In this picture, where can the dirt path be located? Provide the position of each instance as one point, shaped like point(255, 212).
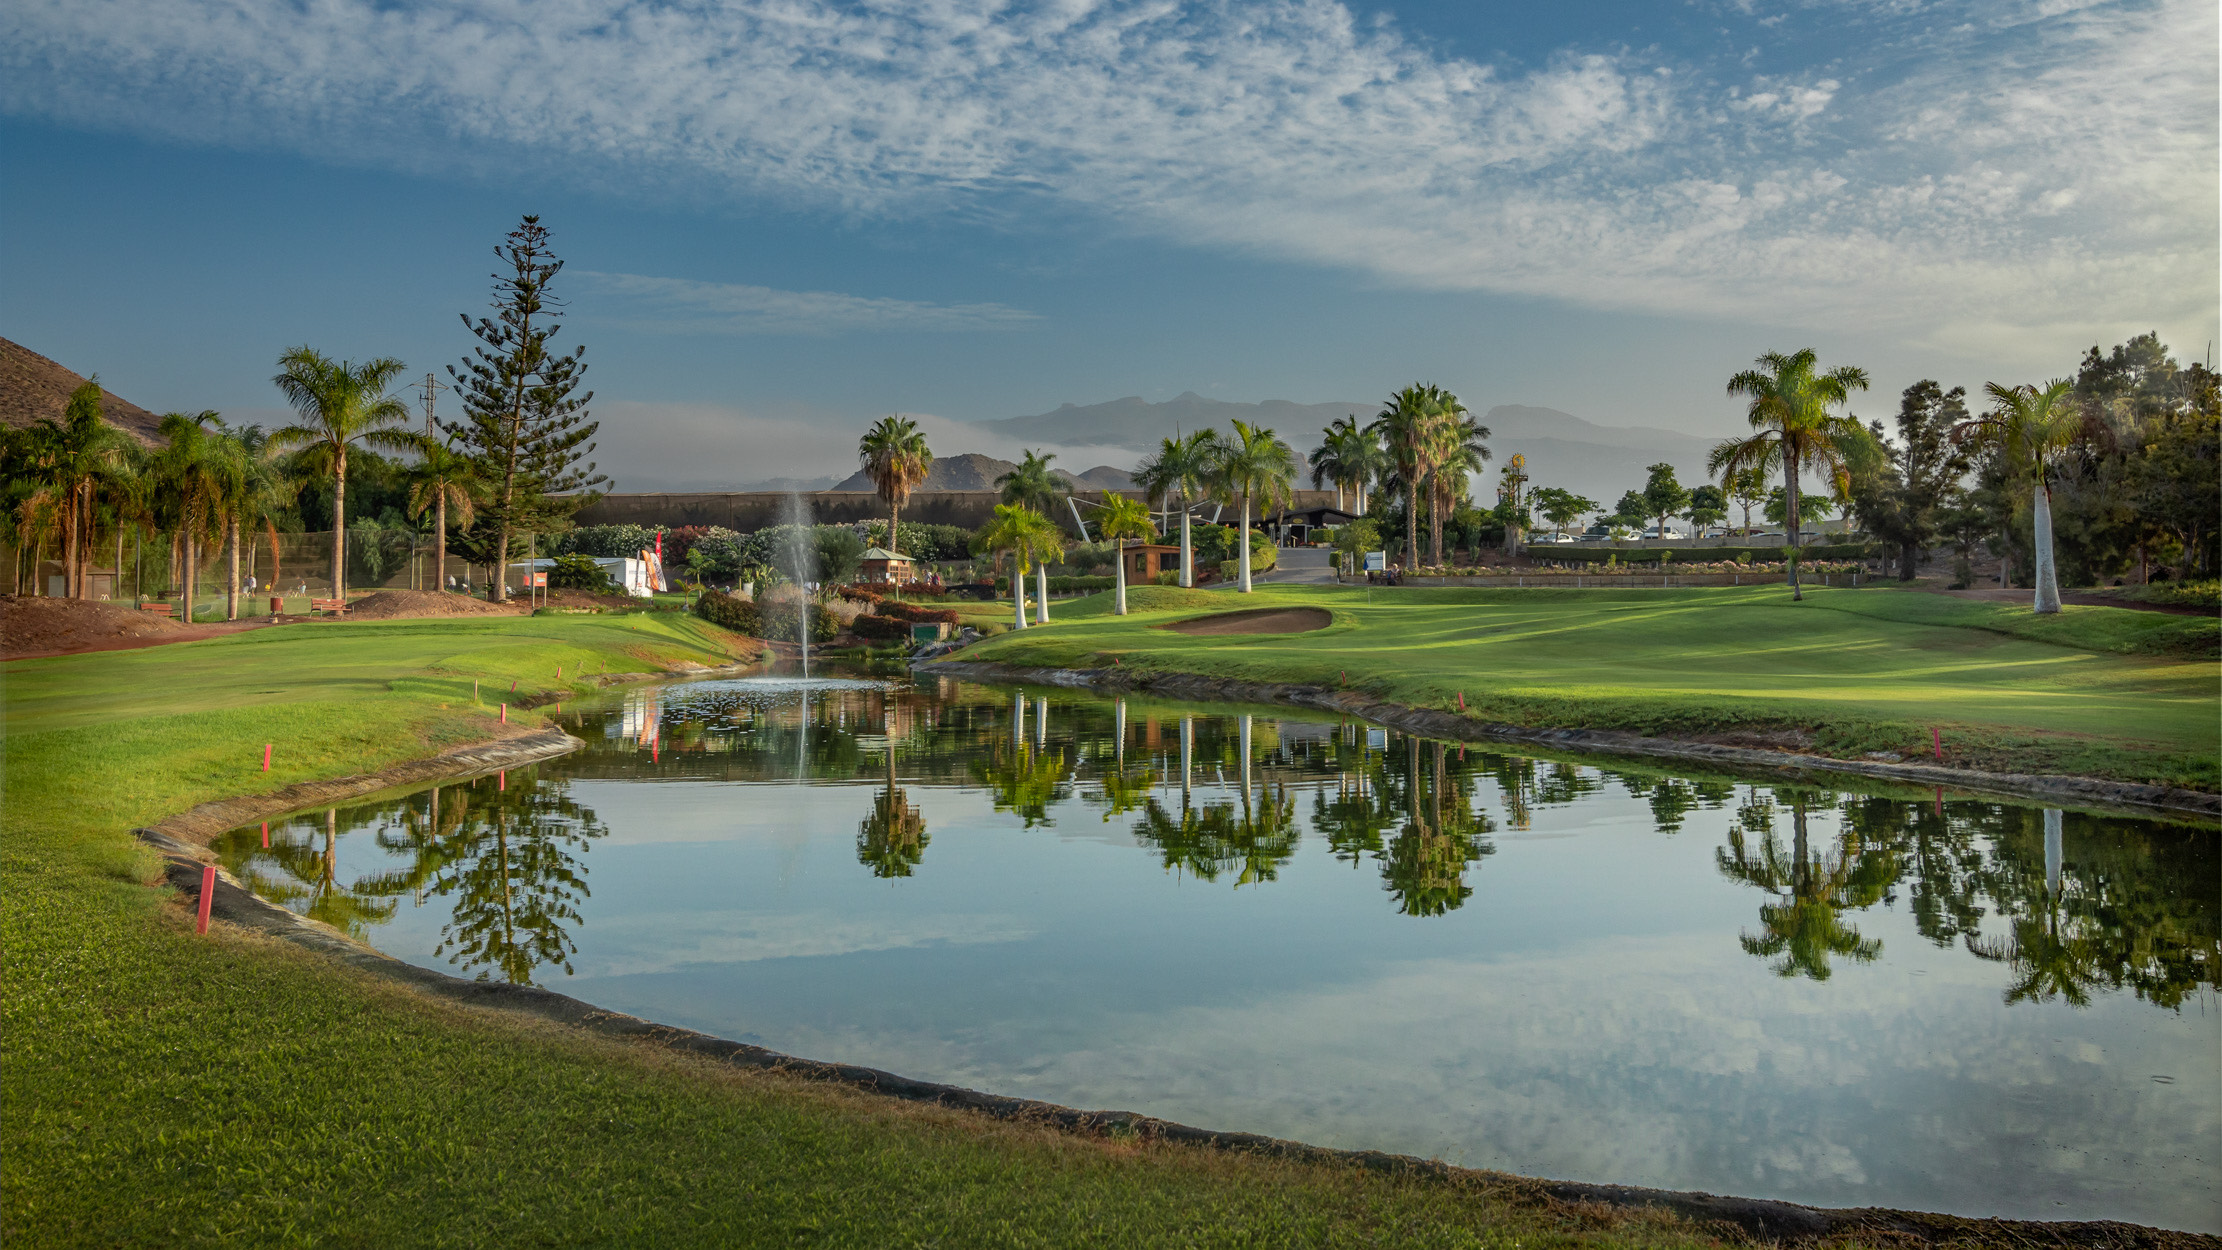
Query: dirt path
point(1255, 621)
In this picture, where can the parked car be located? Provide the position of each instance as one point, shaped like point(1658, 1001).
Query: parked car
point(1561, 537)
point(1669, 533)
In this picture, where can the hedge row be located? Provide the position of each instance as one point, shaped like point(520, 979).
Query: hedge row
point(1569, 554)
point(743, 616)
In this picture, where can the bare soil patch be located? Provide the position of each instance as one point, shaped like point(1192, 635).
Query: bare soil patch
point(1255, 621)
point(35, 626)
point(391, 605)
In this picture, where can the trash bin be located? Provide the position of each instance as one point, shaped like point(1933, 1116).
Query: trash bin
point(277, 605)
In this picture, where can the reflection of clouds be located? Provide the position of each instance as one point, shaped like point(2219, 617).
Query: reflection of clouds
point(638, 945)
point(1654, 1062)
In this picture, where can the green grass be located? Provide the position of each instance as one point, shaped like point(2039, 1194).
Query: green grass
point(2206, 594)
point(165, 1089)
point(2104, 692)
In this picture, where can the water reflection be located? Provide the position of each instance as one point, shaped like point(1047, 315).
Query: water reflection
point(1630, 971)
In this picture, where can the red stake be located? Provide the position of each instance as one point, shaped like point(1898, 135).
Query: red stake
point(208, 895)
point(504, 713)
point(1461, 700)
point(266, 757)
point(1936, 742)
point(266, 835)
point(501, 780)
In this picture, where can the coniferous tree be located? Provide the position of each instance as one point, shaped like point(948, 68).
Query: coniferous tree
point(522, 424)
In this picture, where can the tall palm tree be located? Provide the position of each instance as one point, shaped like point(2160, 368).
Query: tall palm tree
point(1032, 485)
point(1255, 466)
point(70, 459)
point(1123, 518)
point(1028, 536)
point(443, 479)
point(1406, 425)
point(2031, 426)
point(897, 460)
point(341, 404)
point(1179, 470)
point(1462, 448)
point(1789, 412)
point(191, 470)
point(1346, 456)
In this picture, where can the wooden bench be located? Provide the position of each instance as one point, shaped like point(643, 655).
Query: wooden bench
point(159, 609)
point(337, 607)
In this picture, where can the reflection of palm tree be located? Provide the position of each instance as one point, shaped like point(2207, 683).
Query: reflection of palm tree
point(1262, 836)
point(1121, 791)
point(314, 890)
point(1360, 813)
point(892, 840)
point(1425, 866)
point(1185, 842)
point(1805, 929)
point(1021, 780)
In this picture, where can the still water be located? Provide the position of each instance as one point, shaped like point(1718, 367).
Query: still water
point(1346, 935)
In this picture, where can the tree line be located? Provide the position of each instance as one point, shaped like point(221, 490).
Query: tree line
point(514, 465)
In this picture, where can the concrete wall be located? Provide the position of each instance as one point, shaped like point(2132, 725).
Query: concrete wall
point(748, 511)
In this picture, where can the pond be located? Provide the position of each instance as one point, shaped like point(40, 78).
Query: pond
point(1246, 919)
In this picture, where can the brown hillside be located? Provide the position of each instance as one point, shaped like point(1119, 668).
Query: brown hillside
point(31, 387)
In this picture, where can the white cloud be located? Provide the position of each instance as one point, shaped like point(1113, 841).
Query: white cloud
point(1959, 173)
point(678, 305)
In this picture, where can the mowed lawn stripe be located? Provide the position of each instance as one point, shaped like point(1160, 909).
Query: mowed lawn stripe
point(1872, 668)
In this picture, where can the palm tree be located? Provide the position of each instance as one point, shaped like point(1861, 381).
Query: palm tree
point(1180, 469)
point(443, 479)
point(191, 471)
point(1348, 457)
point(1123, 518)
point(1790, 405)
point(1255, 466)
point(1032, 485)
point(897, 460)
point(339, 404)
point(1406, 424)
point(1462, 448)
point(70, 459)
point(2030, 426)
point(1028, 536)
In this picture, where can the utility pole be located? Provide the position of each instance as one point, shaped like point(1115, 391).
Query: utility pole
point(431, 386)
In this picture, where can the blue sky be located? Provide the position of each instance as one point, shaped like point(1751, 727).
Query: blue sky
point(783, 220)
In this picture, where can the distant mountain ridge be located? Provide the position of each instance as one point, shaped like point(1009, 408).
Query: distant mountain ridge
point(1138, 425)
point(971, 471)
point(1561, 449)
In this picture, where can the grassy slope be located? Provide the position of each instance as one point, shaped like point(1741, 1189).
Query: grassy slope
point(2096, 691)
point(162, 1088)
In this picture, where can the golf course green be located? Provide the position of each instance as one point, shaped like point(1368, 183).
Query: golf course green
point(2100, 692)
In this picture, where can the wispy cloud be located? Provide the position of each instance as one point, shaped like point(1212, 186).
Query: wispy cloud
point(1954, 171)
point(678, 305)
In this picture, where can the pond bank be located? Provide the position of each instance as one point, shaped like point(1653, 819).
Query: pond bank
point(2082, 792)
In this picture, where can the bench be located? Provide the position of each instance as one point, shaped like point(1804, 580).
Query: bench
point(159, 609)
point(337, 607)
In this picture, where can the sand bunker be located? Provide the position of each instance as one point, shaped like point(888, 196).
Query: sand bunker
point(1256, 621)
point(39, 625)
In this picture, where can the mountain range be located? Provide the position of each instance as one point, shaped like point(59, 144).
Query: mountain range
point(1561, 449)
point(33, 387)
point(973, 471)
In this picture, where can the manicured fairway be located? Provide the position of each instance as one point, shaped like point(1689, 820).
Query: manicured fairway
point(165, 1089)
point(2101, 691)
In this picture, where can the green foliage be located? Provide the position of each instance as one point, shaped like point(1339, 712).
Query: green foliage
point(1663, 495)
point(1570, 554)
point(608, 541)
point(731, 612)
point(523, 423)
point(579, 572)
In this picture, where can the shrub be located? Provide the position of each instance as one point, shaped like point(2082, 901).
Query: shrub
point(881, 629)
point(578, 572)
point(729, 611)
point(911, 612)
